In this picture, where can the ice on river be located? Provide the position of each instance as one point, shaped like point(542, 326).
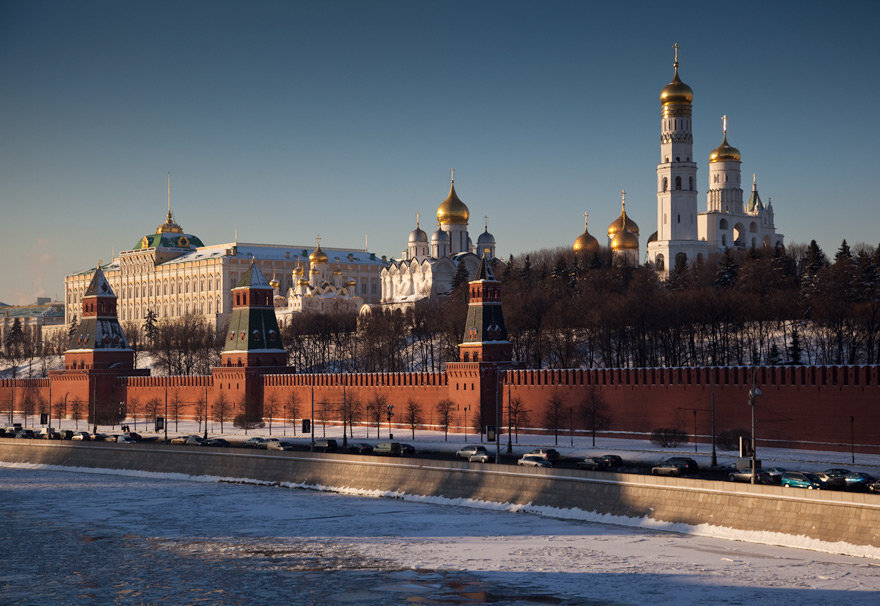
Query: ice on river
point(84, 537)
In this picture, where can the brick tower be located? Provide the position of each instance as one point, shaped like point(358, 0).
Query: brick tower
point(253, 338)
point(484, 352)
point(99, 342)
point(253, 347)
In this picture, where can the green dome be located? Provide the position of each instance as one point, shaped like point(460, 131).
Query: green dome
point(168, 240)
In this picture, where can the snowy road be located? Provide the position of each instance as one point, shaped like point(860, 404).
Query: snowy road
point(77, 538)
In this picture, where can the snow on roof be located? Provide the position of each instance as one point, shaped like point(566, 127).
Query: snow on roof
point(274, 252)
point(253, 278)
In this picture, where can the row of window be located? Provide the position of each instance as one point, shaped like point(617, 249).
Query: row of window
point(664, 184)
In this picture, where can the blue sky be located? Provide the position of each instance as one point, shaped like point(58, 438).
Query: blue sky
point(287, 119)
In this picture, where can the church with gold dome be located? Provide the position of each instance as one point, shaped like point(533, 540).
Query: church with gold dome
point(684, 235)
point(428, 266)
point(172, 274)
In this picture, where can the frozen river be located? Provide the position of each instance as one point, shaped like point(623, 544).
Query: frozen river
point(77, 538)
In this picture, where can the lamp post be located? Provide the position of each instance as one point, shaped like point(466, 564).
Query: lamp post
point(852, 438)
point(754, 392)
point(205, 436)
point(390, 410)
point(465, 423)
point(509, 427)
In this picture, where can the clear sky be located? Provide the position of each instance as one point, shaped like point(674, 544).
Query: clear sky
point(287, 119)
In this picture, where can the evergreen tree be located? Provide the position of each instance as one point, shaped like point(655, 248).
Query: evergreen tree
point(728, 270)
point(526, 272)
point(150, 325)
point(843, 253)
point(71, 330)
point(773, 356)
point(794, 348)
point(460, 277)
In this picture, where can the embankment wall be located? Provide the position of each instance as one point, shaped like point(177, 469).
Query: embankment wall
point(852, 518)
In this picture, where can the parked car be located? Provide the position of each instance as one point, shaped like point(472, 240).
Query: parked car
point(833, 478)
point(195, 440)
point(65, 434)
point(468, 451)
point(255, 442)
point(324, 445)
point(689, 464)
point(669, 468)
point(800, 479)
point(190, 439)
point(103, 437)
point(774, 474)
point(745, 475)
point(874, 487)
point(407, 449)
point(858, 480)
point(218, 442)
point(550, 454)
point(482, 456)
point(533, 460)
point(276, 444)
point(133, 435)
point(388, 448)
point(593, 463)
point(124, 439)
point(612, 460)
point(25, 434)
point(360, 448)
point(83, 436)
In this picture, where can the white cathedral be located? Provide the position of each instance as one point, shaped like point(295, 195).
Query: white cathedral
point(427, 267)
point(683, 234)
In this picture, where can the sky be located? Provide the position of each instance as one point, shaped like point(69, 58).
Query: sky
point(283, 120)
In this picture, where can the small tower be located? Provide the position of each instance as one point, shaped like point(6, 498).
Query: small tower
point(253, 338)
point(99, 342)
point(417, 246)
point(485, 335)
point(453, 216)
point(485, 241)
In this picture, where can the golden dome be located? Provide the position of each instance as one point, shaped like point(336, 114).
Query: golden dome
point(274, 283)
point(676, 91)
point(303, 282)
point(724, 152)
point(625, 240)
point(623, 222)
point(319, 256)
point(585, 242)
point(169, 227)
point(453, 210)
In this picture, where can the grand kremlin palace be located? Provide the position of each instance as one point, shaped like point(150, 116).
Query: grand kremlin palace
point(172, 273)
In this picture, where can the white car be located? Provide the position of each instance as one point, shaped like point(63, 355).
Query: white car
point(468, 451)
point(531, 460)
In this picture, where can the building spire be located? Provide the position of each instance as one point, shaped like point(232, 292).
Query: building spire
point(755, 182)
point(585, 221)
point(724, 123)
point(417, 220)
point(485, 222)
point(452, 176)
point(622, 201)
point(675, 64)
point(169, 197)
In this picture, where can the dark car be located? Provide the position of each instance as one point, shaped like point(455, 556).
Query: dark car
point(65, 434)
point(360, 448)
point(689, 463)
point(593, 463)
point(859, 481)
point(833, 478)
point(612, 460)
point(875, 487)
point(393, 448)
point(195, 440)
point(407, 449)
point(217, 442)
point(25, 434)
point(326, 445)
point(745, 475)
point(775, 474)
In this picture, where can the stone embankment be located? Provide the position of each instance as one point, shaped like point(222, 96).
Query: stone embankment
point(831, 517)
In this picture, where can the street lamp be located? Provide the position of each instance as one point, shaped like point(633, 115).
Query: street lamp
point(390, 410)
point(465, 423)
point(754, 392)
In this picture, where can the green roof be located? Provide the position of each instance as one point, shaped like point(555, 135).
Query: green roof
point(168, 240)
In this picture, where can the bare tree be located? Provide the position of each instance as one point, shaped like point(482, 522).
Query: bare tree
point(152, 410)
point(222, 409)
point(554, 415)
point(354, 411)
point(133, 405)
point(270, 406)
point(519, 416)
point(375, 407)
point(292, 411)
point(200, 413)
point(592, 410)
point(76, 411)
point(175, 408)
point(444, 415)
point(413, 415)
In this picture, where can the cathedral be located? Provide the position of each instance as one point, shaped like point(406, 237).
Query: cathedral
point(684, 235)
point(427, 266)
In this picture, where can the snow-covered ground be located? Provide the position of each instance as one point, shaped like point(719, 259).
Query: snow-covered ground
point(126, 537)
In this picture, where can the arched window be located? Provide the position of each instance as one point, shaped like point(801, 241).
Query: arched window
point(723, 224)
point(691, 183)
point(678, 183)
point(660, 262)
point(665, 184)
point(723, 239)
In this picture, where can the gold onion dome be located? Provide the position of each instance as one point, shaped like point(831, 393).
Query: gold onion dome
point(585, 242)
point(452, 209)
point(676, 91)
point(319, 256)
point(625, 240)
point(274, 283)
point(724, 152)
point(169, 227)
point(623, 222)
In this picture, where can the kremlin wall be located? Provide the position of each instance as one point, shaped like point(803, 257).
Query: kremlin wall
point(802, 406)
